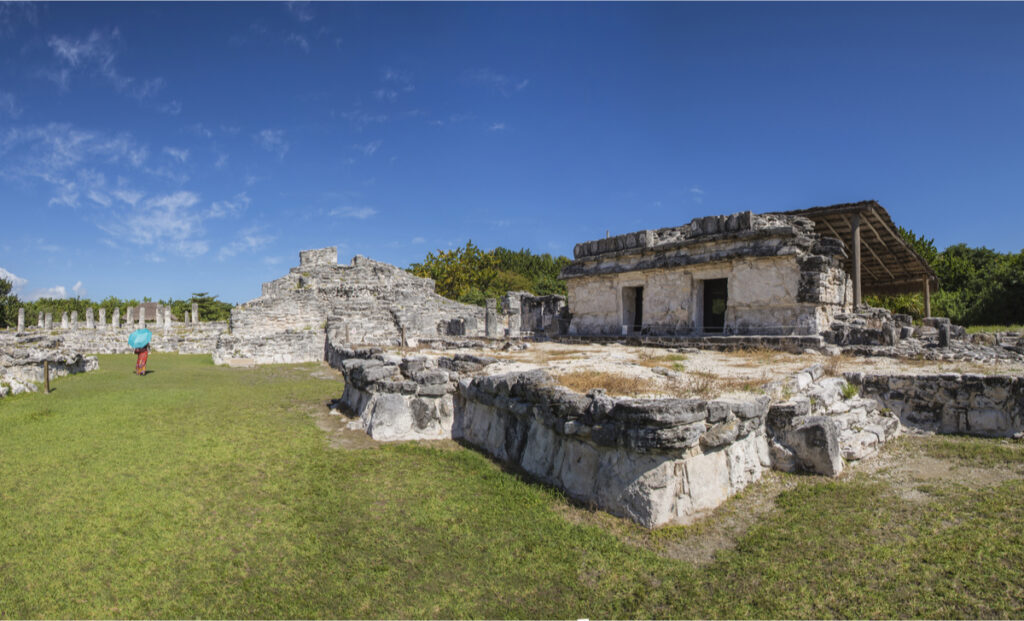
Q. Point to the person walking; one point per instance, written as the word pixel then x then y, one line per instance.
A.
pixel 142 354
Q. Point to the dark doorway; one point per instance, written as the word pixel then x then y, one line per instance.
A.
pixel 632 308
pixel 716 296
pixel 638 309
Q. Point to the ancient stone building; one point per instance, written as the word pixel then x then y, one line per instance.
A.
pixel 365 302
pixel 788 273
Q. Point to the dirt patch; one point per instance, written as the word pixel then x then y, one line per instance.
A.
pixel 905 465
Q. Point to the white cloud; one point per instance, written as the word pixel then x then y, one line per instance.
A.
pixel 359 213
pixel 78 289
pixel 221 162
pixel 369 148
pixel 100 198
pixel 272 260
pixel 58 292
pixel 248 241
pixel 361 119
pixel 497 127
pixel 8 105
pixel 220 209
pixel 96 55
pixel 698 195
pixel 418 240
pixel 130 197
pixel 172 107
pixel 16 281
pixel 273 140
pixel 385 94
pixel 302 11
pixel 298 40
pixel 166 223
pixel 506 85
pixel 179 154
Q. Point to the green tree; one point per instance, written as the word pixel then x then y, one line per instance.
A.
pixel 471 275
pixel 9 305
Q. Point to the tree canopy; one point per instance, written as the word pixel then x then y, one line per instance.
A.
pixel 977 286
pixel 471 275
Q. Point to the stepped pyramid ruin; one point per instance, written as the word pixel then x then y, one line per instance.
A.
pixel 365 302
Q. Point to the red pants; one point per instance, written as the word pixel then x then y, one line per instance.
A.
pixel 140 363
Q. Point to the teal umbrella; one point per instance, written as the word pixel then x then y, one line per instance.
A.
pixel 139 338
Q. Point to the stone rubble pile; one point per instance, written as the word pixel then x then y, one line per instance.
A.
pixel 824 424
pixel 22 358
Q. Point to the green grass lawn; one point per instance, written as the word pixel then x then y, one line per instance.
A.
pixel 203 491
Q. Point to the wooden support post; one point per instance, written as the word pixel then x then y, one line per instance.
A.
pixel 46 375
pixel 927 298
pixel 855 225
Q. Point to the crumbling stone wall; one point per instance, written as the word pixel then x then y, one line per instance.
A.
pixel 654 461
pixel 973 404
pixel 783 278
pixel 364 303
pixel 22 358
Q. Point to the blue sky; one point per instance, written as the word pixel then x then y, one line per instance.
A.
pixel 160 149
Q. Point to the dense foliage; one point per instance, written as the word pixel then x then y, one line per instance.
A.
pixel 977 286
pixel 471 275
pixel 210 308
pixel 8 305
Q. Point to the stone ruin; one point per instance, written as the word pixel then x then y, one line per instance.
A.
pixel 365 302
pixel 739 274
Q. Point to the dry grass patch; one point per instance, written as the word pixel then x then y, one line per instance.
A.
pixel 650 359
pixel 612 383
pixel 707 385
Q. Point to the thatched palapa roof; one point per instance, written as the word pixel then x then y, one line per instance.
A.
pixel 888 263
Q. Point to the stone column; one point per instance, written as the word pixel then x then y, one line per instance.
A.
pixel 512 302
pixel 48 324
pixel 74 320
pixel 142 316
pixel 491 319
pixel 40 322
pixel 64 320
pixel 129 317
pixel 195 312
pixel 21 320
pixel 167 319
pixel 90 322
pixel 103 319
pixel 159 318
pixel 188 317
pixel 943 335
pixel 115 321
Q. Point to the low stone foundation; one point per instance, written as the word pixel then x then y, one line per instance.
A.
pixel 982 405
pixel 652 461
pixel 655 461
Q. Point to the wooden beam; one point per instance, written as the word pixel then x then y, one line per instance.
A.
pixel 927 298
pixel 855 225
pixel 903 265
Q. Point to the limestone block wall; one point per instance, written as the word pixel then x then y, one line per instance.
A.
pixel 763 298
pixel 199 338
pixel 287 346
pixel 652 461
pixel 973 404
pixel 782 277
